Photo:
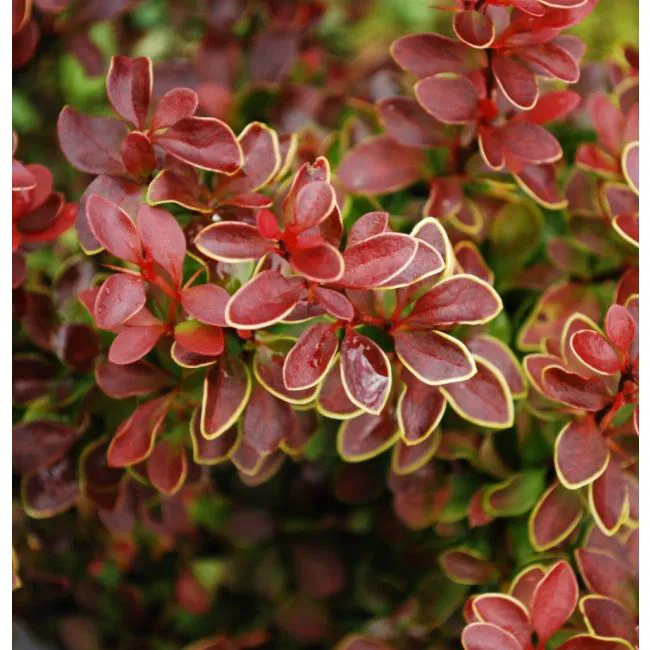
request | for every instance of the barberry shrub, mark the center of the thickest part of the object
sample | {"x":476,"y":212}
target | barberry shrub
{"x":327,"y":351}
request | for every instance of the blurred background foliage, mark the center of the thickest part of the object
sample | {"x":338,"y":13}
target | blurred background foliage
{"x":48,"y":82}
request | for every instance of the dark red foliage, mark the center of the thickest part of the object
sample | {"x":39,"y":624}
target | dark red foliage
{"x":361,"y":371}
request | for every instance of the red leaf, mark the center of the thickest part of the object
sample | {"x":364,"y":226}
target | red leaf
{"x":313,"y":204}
{"x":21,"y":11}
{"x":163,"y":239}
{"x":554,"y":600}
{"x":24,"y":44}
{"x":135,"y":437}
{"x":365,"y":436}
{"x":524,"y":584}
{"x":333,"y":401}
{"x":316,"y":172}
{"x":48,"y":491}
{"x":378,"y":165}
{"x":262,"y":159}
{"x":267,"y":225}
{"x":366,"y":226}
{"x":581,"y":454}
{"x":206,"y":340}
{"x":554,"y":518}
{"x":52,"y":219}
{"x":452,"y":101}
{"x":460,"y":299}
{"x":540,"y":182}
{"x":133,"y":343}
{"x":119,"y":298}
{"x":608,"y":618}
{"x":506,"y":613}
{"x":128,"y":86}
{"x":500,"y":355}
{"x":231,"y":241}
{"x":303,"y":427}
{"x":608,"y":122}
{"x":18,"y":269}
{"x":530,"y":142}
{"x":40,"y":443}
{"x":485,"y":636}
{"x":335,"y":303}
{"x":321,"y":263}
{"x":167,"y":467}
{"x":419,"y":410}
{"x":226,"y":390}
{"x":632,"y":305}
{"x":206,"y":303}
{"x":203,"y":142}
{"x":435,"y":358}
{"x":365,"y":371}
{"x":471,"y":261}
{"x":627,"y":226}
{"x":552,"y":106}
{"x":429,"y":54}
{"x":91,"y":144}
{"x":76,"y":345}
{"x":139,"y":378}
{"x":474,"y":28}
{"x":264,"y":300}
{"x":430,"y":231}
{"x":265,"y":422}
{"x":620,"y":328}
{"x":248,"y":460}
{"x":311,"y":357}
{"x":426,"y":262}
{"x":590,"y":157}
{"x":630,"y":163}
{"x":467,"y":567}
{"x":609,"y":498}
{"x":575,"y":390}
{"x":251,"y":200}
{"x":138,"y":155}
{"x":268,"y":364}
{"x":119,"y":191}
{"x":563,"y":4}
{"x":113,"y":228}
{"x":595,"y":351}
{"x":408,"y":459}
{"x":590,"y":642}
{"x":553,"y":59}
{"x":180,"y":187}
{"x":21,"y":178}
{"x":516,"y":81}
{"x":211,"y":452}
{"x":376,"y":260}
{"x":186,"y":359}
{"x":174,"y":105}
{"x":627,"y":286}
{"x":484,"y":398}
{"x":611,"y":576}
{"x":406,"y":123}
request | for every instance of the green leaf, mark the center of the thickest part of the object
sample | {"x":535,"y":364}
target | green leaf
{"x":516,"y":495}
{"x":438,"y":598}
{"x":24,"y":116}
{"x":209,"y":572}
{"x":514,"y":236}
{"x":463,"y":487}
